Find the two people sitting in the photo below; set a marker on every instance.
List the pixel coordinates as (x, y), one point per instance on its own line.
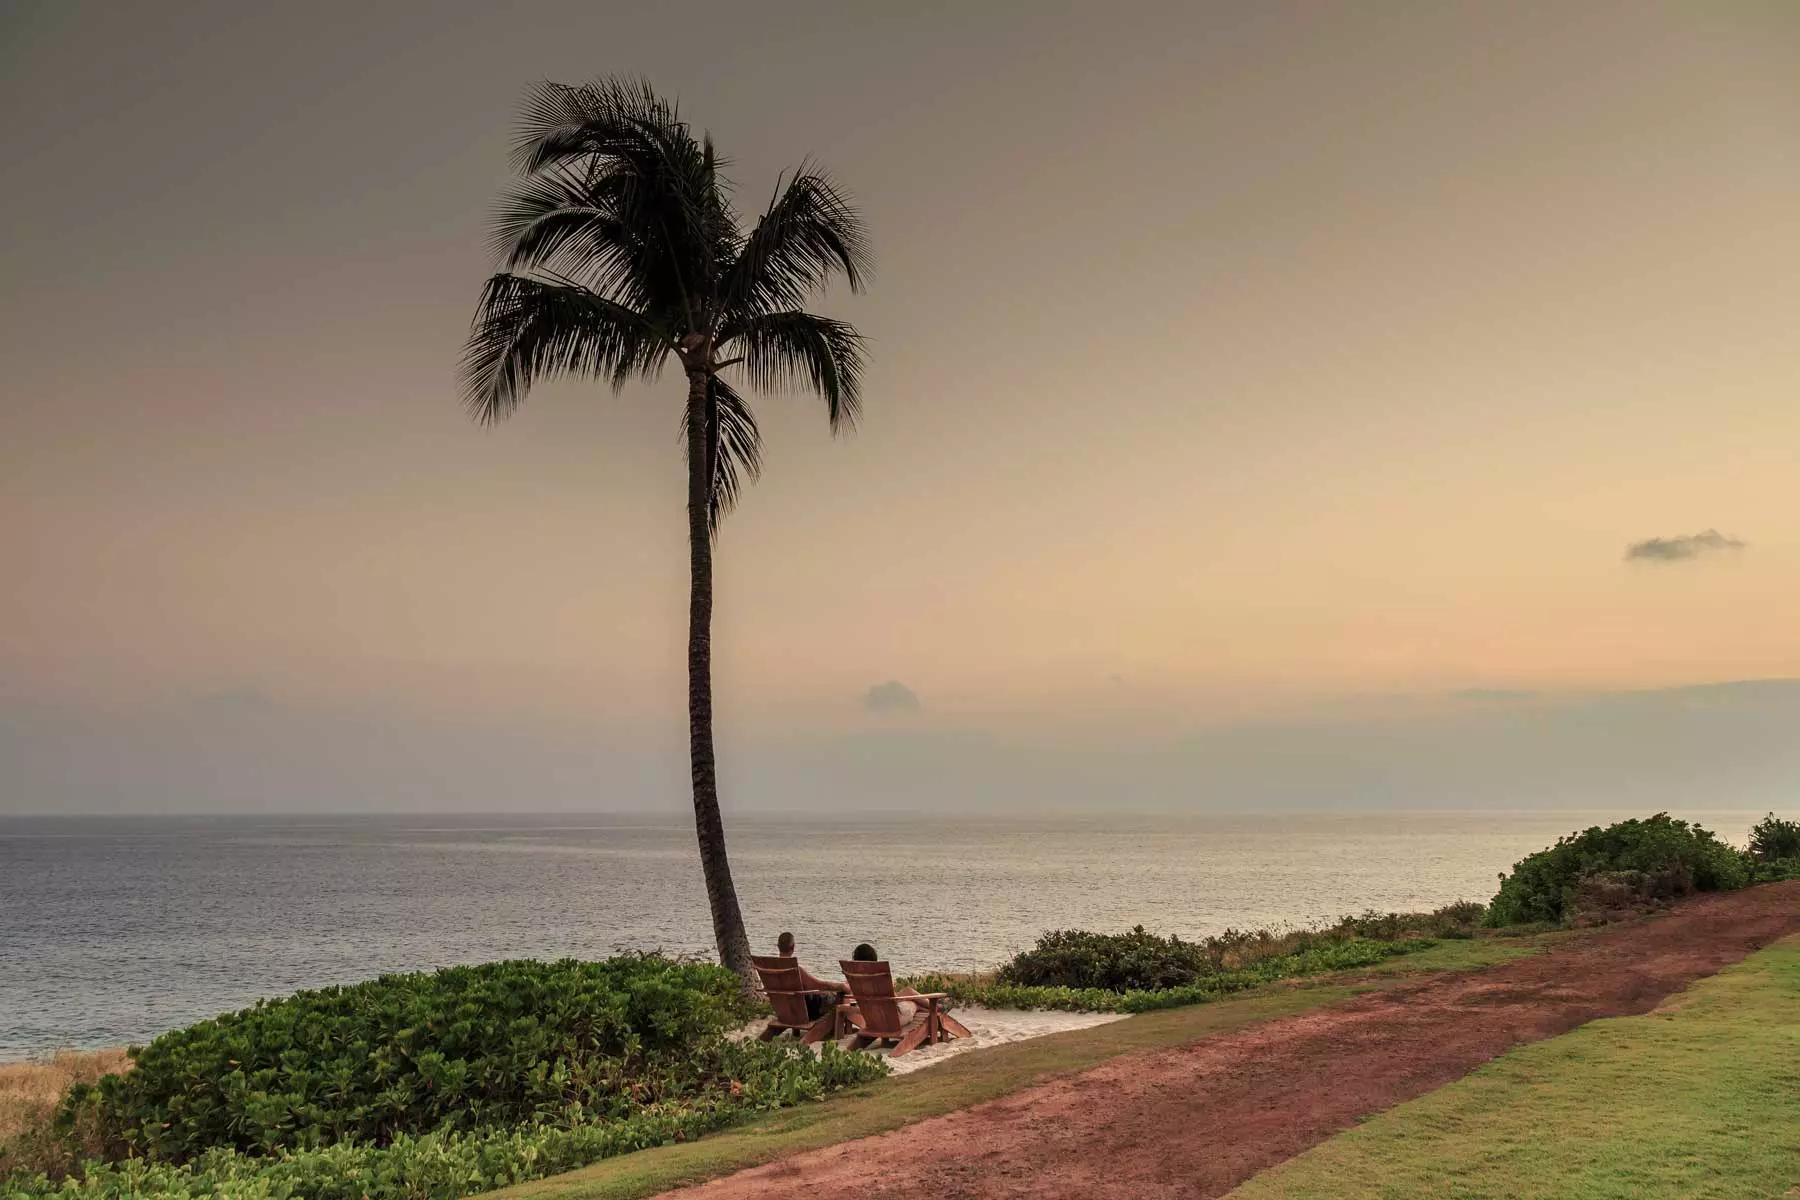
(816, 1006)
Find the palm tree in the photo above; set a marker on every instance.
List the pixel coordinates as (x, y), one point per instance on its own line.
(619, 250)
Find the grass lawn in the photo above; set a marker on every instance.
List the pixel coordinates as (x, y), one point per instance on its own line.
(1700, 1099)
(980, 1076)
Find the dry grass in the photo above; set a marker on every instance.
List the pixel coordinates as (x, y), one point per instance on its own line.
(30, 1093)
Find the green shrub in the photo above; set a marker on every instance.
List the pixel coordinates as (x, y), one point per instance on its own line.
(446, 1164)
(1137, 961)
(1318, 958)
(1116, 962)
(462, 1048)
(1773, 839)
(1634, 862)
(1779, 871)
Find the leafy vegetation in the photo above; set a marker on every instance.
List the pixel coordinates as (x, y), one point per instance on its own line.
(1072, 963)
(1773, 839)
(428, 1086)
(447, 1163)
(1775, 872)
(1626, 866)
(1697, 1099)
(1116, 962)
(1774, 852)
(1139, 971)
(462, 1048)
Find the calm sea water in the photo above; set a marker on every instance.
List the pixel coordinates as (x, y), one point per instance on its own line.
(113, 930)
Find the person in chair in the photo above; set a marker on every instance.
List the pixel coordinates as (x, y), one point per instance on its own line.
(816, 1006)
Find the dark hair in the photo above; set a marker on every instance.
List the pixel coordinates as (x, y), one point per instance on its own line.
(785, 943)
(865, 953)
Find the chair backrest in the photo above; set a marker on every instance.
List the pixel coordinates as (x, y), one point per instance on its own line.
(785, 985)
(873, 986)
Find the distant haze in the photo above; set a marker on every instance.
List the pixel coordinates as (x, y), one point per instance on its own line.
(1269, 405)
(1730, 747)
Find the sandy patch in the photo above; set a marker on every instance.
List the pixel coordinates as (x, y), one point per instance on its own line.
(990, 1027)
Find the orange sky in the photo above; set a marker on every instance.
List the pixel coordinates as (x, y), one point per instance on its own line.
(1226, 360)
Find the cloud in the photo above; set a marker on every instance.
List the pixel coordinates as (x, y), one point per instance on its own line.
(892, 696)
(1680, 549)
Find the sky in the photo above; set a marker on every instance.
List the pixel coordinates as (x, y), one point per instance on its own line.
(1277, 404)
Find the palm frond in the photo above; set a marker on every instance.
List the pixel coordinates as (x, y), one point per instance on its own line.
(638, 161)
(736, 448)
(809, 233)
(559, 220)
(527, 328)
(606, 116)
(782, 350)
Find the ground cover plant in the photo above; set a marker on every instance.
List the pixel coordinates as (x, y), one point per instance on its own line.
(1139, 971)
(447, 1163)
(429, 1085)
(1697, 1099)
(992, 992)
(465, 1047)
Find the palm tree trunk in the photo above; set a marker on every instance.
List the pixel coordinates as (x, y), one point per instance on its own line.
(727, 918)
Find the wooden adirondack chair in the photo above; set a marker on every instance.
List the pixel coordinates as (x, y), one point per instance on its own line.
(785, 985)
(878, 1011)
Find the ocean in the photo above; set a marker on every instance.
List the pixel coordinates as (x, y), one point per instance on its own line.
(113, 930)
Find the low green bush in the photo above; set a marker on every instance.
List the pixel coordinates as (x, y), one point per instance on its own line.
(447, 1163)
(463, 1048)
(1077, 961)
(1630, 864)
(1779, 871)
(1115, 962)
(1319, 958)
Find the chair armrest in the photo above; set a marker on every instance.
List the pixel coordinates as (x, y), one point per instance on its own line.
(925, 996)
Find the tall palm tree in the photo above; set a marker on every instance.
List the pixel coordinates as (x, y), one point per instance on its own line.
(620, 250)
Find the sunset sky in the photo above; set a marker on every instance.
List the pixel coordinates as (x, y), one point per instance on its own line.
(1249, 383)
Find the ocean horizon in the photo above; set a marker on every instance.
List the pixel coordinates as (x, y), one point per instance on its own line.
(115, 929)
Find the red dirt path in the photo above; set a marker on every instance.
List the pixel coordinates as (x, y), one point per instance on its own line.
(1197, 1120)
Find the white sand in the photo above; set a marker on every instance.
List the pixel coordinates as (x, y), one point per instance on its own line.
(990, 1027)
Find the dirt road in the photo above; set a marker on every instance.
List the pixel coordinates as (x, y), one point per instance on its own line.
(1196, 1121)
